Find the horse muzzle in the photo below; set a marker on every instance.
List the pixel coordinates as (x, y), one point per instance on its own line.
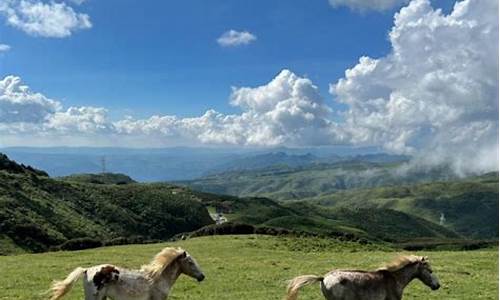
(200, 278)
(435, 287)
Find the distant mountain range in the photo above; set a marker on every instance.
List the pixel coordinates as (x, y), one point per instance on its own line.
(285, 182)
(181, 163)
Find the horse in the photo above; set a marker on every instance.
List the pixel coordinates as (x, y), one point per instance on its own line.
(386, 283)
(151, 282)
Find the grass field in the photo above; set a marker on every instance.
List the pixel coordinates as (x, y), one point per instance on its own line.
(255, 267)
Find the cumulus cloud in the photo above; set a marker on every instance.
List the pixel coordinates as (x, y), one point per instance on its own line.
(286, 111)
(364, 5)
(234, 38)
(435, 95)
(37, 18)
(27, 113)
(4, 47)
(84, 119)
(19, 104)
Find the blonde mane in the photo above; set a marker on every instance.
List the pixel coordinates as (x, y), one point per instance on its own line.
(401, 262)
(161, 261)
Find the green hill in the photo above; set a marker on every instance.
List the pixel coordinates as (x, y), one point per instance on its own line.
(295, 183)
(373, 224)
(102, 178)
(378, 223)
(469, 206)
(10, 166)
(38, 212)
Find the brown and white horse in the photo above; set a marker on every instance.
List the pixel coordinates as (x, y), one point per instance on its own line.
(386, 283)
(152, 282)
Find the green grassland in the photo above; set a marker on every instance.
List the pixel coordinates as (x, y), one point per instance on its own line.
(255, 267)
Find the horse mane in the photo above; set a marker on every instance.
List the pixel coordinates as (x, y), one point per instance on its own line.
(401, 262)
(161, 261)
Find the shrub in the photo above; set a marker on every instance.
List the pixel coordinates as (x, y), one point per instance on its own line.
(80, 244)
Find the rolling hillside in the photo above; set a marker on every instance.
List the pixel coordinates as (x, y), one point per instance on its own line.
(469, 206)
(283, 182)
(374, 224)
(101, 178)
(38, 212)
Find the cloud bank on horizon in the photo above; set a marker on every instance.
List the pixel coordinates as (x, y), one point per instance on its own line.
(434, 96)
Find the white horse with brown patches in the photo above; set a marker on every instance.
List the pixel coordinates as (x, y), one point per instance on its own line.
(386, 283)
(152, 282)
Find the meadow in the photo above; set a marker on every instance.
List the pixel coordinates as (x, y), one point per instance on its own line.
(255, 267)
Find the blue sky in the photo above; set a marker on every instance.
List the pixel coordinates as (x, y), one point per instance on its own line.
(413, 77)
(161, 57)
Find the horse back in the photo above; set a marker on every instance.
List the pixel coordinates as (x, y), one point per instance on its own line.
(354, 284)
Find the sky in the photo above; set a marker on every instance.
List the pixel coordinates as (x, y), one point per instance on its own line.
(415, 77)
(162, 57)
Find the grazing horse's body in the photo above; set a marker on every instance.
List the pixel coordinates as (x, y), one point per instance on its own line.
(152, 282)
(386, 283)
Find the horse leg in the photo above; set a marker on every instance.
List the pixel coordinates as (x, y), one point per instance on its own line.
(91, 292)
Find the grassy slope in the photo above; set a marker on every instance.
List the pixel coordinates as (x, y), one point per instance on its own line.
(470, 206)
(385, 224)
(292, 183)
(37, 212)
(381, 224)
(102, 178)
(254, 267)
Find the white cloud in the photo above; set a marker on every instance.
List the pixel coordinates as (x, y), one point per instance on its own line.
(53, 19)
(24, 112)
(233, 38)
(364, 5)
(436, 94)
(19, 104)
(4, 47)
(288, 110)
(89, 120)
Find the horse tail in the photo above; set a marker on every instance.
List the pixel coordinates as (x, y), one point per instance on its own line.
(62, 287)
(295, 284)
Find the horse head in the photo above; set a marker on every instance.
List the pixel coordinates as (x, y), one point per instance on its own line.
(424, 273)
(190, 267)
